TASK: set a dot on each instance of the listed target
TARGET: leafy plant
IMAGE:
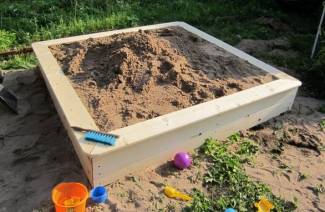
(322, 124)
(247, 147)
(7, 40)
(200, 203)
(227, 182)
(234, 137)
(319, 189)
(302, 176)
(295, 201)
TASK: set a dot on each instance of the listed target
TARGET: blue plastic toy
(230, 210)
(98, 194)
(100, 137)
(96, 136)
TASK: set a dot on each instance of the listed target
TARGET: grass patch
(227, 183)
(39, 19)
(7, 40)
(23, 22)
(19, 62)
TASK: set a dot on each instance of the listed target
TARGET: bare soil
(291, 158)
(128, 78)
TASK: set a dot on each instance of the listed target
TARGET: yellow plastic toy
(173, 193)
(264, 205)
(72, 201)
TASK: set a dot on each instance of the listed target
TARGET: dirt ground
(35, 151)
(36, 154)
(128, 78)
(292, 157)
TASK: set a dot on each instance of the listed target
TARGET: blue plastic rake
(96, 136)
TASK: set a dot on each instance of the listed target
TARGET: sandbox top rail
(73, 112)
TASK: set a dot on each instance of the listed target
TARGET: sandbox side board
(153, 141)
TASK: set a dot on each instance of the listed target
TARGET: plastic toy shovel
(264, 205)
(173, 193)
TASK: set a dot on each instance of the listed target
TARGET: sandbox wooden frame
(150, 142)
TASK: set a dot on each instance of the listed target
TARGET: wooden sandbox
(152, 141)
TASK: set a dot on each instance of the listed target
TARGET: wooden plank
(266, 67)
(65, 98)
(69, 107)
(168, 122)
(16, 52)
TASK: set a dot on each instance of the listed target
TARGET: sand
(293, 149)
(36, 154)
(128, 78)
(35, 151)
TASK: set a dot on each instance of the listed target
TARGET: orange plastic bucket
(70, 197)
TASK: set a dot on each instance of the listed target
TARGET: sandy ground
(292, 157)
(36, 154)
(132, 77)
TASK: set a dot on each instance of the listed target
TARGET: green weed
(322, 148)
(7, 40)
(319, 189)
(40, 19)
(295, 201)
(234, 137)
(227, 182)
(247, 147)
(302, 176)
(322, 124)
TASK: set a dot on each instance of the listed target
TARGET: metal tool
(318, 32)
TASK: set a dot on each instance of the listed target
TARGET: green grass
(227, 183)
(39, 19)
(230, 20)
(18, 62)
(23, 22)
(7, 40)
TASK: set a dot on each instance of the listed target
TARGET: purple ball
(182, 160)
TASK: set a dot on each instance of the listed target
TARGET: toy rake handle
(80, 129)
(183, 196)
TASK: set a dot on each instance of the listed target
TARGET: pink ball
(182, 160)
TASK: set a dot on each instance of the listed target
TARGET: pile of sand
(128, 78)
